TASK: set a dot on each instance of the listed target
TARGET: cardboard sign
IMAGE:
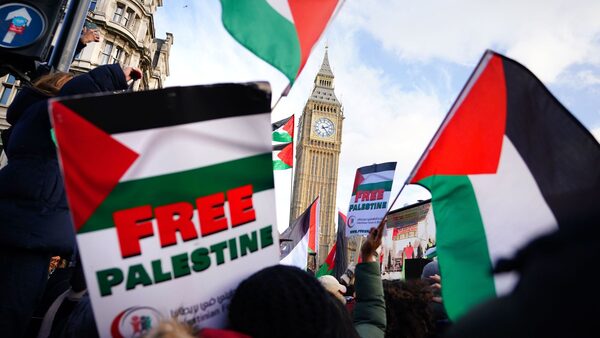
(171, 192)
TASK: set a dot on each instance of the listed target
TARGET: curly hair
(407, 309)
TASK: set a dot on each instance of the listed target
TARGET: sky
(399, 66)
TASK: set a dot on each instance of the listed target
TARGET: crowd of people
(43, 292)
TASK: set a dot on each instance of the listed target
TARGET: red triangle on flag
(287, 154)
(358, 179)
(289, 126)
(92, 161)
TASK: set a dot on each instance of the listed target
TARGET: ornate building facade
(317, 156)
(128, 38)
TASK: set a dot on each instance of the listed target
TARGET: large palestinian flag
(301, 237)
(508, 164)
(281, 32)
(171, 192)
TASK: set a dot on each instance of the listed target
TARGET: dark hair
(407, 309)
(286, 301)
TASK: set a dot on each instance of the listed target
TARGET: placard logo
(351, 221)
(134, 322)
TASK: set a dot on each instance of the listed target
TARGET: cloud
(546, 35)
(596, 133)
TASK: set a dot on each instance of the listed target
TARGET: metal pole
(62, 55)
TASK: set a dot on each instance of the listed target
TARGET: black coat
(34, 213)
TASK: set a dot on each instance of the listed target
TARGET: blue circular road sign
(20, 25)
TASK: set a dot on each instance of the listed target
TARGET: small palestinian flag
(508, 164)
(281, 32)
(301, 237)
(336, 262)
(283, 144)
(283, 130)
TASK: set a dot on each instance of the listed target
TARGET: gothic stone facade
(317, 156)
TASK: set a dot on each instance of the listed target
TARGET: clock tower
(317, 156)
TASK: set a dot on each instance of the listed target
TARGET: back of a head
(407, 309)
(51, 84)
(284, 301)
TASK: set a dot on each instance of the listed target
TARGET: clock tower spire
(317, 155)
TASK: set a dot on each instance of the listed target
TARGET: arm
(369, 312)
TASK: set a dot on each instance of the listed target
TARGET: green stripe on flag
(282, 137)
(461, 244)
(324, 270)
(386, 185)
(261, 29)
(183, 186)
(280, 165)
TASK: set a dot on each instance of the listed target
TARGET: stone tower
(317, 156)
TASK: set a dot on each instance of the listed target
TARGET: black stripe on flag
(561, 154)
(172, 106)
(280, 123)
(377, 168)
(279, 147)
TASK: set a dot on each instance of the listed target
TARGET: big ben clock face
(324, 127)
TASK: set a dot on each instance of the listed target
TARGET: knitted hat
(334, 287)
(283, 301)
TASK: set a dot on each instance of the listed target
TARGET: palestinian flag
(336, 262)
(283, 130)
(200, 142)
(283, 144)
(281, 32)
(301, 237)
(508, 164)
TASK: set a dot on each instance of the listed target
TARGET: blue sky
(399, 65)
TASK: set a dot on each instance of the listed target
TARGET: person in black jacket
(34, 218)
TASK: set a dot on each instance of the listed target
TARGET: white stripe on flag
(512, 209)
(377, 177)
(194, 145)
(299, 255)
(282, 7)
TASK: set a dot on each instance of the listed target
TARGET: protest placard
(370, 196)
(171, 193)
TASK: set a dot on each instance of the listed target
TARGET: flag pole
(285, 92)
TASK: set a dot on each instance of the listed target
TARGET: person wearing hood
(34, 218)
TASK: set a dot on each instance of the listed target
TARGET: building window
(118, 16)
(118, 55)
(93, 5)
(106, 52)
(127, 19)
(8, 86)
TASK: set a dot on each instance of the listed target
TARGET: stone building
(317, 156)
(128, 37)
